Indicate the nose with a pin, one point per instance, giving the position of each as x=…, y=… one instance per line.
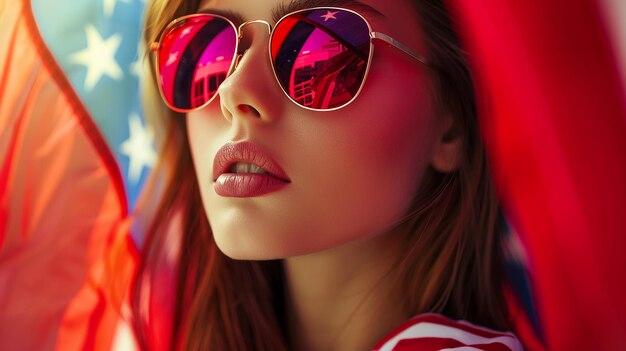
x=250, y=93
x=244, y=24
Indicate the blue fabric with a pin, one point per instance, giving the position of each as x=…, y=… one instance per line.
x=95, y=42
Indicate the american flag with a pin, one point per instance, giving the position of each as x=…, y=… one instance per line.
x=97, y=44
x=74, y=155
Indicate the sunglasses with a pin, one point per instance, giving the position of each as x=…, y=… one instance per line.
x=320, y=57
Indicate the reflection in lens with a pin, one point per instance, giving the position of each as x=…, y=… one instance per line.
x=320, y=57
x=194, y=59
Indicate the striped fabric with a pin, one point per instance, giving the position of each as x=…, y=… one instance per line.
x=62, y=203
x=433, y=332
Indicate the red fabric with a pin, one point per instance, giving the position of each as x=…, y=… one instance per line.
x=61, y=203
x=524, y=329
x=554, y=119
x=98, y=317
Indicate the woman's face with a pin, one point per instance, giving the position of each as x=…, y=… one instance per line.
x=352, y=172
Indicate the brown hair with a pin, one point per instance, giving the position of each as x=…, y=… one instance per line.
x=453, y=260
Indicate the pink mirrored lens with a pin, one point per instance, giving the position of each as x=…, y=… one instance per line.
x=320, y=56
x=195, y=56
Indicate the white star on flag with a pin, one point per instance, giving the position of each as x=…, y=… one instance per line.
x=109, y=6
x=329, y=15
x=136, y=67
x=139, y=147
x=99, y=57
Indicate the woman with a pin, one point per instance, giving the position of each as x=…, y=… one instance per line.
x=329, y=194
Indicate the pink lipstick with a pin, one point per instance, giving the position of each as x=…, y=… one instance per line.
x=244, y=169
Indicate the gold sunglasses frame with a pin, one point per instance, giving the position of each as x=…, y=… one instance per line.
x=156, y=46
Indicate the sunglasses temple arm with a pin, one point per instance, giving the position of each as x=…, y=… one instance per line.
x=398, y=45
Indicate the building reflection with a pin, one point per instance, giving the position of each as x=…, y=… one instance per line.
x=320, y=76
x=207, y=78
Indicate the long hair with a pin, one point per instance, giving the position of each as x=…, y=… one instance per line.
x=452, y=263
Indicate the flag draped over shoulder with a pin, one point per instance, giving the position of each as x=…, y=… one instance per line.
x=64, y=249
x=554, y=117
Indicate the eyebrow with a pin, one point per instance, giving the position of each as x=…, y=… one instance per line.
x=234, y=16
x=295, y=5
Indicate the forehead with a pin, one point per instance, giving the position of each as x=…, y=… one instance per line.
x=269, y=10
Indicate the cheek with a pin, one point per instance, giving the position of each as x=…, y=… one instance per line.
x=366, y=163
x=396, y=132
x=395, y=107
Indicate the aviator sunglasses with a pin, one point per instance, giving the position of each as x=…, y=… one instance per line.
x=320, y=57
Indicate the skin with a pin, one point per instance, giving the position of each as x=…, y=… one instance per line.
x=354, y=173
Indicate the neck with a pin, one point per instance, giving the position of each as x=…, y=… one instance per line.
x=341, y=299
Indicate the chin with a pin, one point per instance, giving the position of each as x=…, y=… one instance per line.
x=253, y=254
x=249, y=246
x=260, y=246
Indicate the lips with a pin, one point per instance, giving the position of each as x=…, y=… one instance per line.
x=244, y=169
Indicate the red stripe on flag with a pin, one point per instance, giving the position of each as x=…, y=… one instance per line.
x=436, y=344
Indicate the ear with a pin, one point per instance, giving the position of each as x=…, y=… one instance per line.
x=446, y=156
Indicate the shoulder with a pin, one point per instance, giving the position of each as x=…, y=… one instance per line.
x=431, y=332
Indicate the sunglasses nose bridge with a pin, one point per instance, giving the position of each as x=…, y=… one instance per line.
x=240, y=37
x=240, y=28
